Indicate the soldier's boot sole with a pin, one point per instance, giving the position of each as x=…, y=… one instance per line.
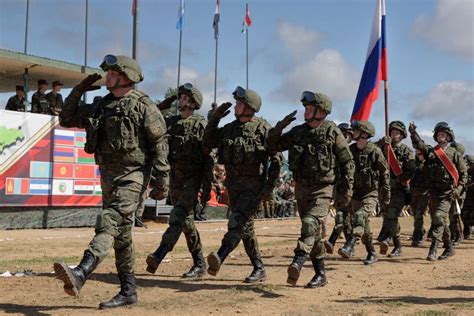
x=383, y=248
x=72, y=286
x=316, y=282
x=329, y=247
x=152, y=264
x=395, y=253
x=344, y=253
x=213, y=263
x=370, y=261
x=262, y=278
x=431, y=258
x=293, y=274
x=119, y=301
x=196, y=274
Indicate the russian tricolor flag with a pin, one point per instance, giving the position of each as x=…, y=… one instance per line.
x=375, y=68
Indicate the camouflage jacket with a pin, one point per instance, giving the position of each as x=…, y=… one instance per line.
x=16, y=104
x=405, y=159
x=55, y=103
x=39, y=103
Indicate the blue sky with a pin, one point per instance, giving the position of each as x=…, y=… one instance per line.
x=317, y=45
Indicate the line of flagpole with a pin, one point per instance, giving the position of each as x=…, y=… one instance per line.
x=385, y=89
x=84, y=97
x=135, y=29
x=247, y=49
x=215, y=71
x=179, y=58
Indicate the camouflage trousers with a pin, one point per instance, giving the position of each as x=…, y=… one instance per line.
x=440, y=207
x=244, y=204
x=418, y=205
x=391, y=226
x=184, y=194
x=141, y=206
x=361, y=210
x=343, y=221
x=114, y=223
x=313, y=208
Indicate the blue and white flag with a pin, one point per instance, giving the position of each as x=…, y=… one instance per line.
x=180, y=23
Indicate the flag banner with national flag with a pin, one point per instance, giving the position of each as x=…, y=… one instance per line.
x=83, y=187
x=17, y=186
x=63, y=170
x=79, y=139
x=217, y=17
x=84, y=171
x=63, y=137
x=63, y=187
x=63, y=154
x=97, y=188
x=40, y=186
x=40, y=169
x=180, y=23
x=247, y=21
x=83, y=157
x=375, y=68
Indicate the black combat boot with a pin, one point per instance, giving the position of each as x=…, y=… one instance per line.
x=154, y=259
x=371, y=255
x=397, y=250
x=347, y=250
x=258, y=274
x=432, y=252
x=215, y=259
x=329, y=244
x=319, y=278
x=467, y=231
x=199, y=266
x=127, y=294
x=383, y=240
x=295, y=267
x=75, y=278
x=448, y=251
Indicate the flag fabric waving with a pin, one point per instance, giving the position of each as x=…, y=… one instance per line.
x=180, y=23
x=217, y=17
x=375, y=68
x=247, y=21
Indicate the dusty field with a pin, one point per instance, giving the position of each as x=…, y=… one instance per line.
x=409, y=285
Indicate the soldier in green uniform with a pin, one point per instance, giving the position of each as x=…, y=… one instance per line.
x=446, y=176
x=251, y=175
x=127, y=135
x=316, y=149
x=455, y=220
x=343, y=216
x=55, y=99
x=401, y=172
x=419, y=200
x=371, y=178
x=39, y=103
x=191, y=170
x=467, y=213
x=18, y=101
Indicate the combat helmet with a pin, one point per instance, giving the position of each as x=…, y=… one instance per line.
x=193, y=92
x=317, y=99
x=364, y=127
x=345, y=128
x=398, y=125
x=125, y=65
x=249, y=97
x=443, y=127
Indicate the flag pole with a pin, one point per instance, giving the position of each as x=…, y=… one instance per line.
x=179, y=60
x=135, y=29
x=84, y=96
x=215, y=71
x=385, y=90
x=247, y=48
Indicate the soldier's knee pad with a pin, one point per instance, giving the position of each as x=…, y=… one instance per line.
x=123, y=243
x=107, y=222
x=438, y=218
x=309, y=226
x=339, y=219
x=188, y=225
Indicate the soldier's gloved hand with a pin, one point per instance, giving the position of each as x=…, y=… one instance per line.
x=267, y=194
x=221, y=111
x=286, y=120
x=387, y=139
x=166, y=103
x=87, y=83
x=412, y=127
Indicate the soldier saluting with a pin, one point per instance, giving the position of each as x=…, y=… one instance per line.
x=127, y=135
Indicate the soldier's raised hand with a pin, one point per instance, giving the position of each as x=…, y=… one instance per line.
x=166, y=103
x=87, y=83
x=287, y=120
x=387, y=139
x=412, y=127
x=221, y=111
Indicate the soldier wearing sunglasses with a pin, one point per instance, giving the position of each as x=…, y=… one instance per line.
x=316, y=149
x=251, y=175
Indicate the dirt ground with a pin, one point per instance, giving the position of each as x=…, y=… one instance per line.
x=408, y=285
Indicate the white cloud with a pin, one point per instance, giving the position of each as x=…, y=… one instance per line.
x=297, y=39
x=450, y=27
x=325, y=72
x=451, y=101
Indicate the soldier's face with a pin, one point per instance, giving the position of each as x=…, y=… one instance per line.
x=113, y=78
x=442, y=137
x=56, y=89
x=395, y=135
x=43, y=88
x=311, y=111
x=356, y=134
x=241, y=109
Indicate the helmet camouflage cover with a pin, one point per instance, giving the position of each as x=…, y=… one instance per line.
x=398, y=125
x=364, y=127
x=317, y=99
x=125, y=65
x=443, y=127
x=193, y=92
x=249, y=97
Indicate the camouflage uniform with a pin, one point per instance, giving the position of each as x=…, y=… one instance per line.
x=127, y=136
x=455, y=221
x=467, y=213
x=441, y=187
x=190, y=170
x=418, y=203
x=39, y=103
x=371, y=177
x=314, y=155
x=251, y=172
x=16, y=104
x=55, y=103
x=399, y=190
